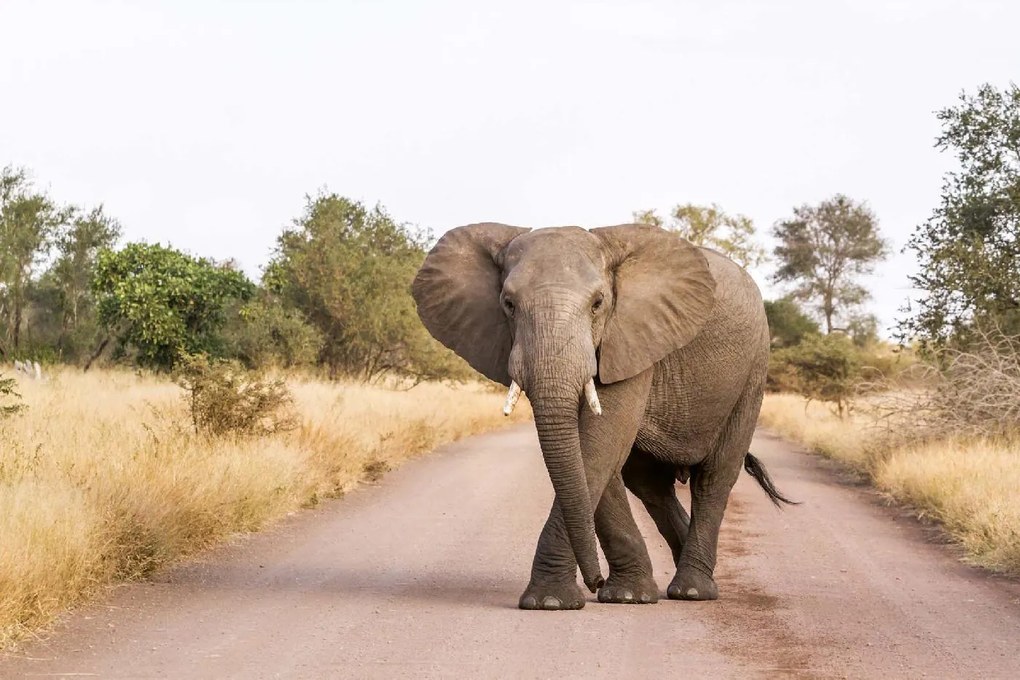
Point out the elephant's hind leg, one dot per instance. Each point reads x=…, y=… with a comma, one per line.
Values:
x=654, y=483
x=630, y=569
x=711, y=482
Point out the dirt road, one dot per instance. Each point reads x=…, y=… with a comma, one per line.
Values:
x=419, y=577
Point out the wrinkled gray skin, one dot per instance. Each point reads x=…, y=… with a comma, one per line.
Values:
x=677, y=339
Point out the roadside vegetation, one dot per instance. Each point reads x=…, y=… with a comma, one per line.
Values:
x=935, y=422
x=154, y=402
x=105, y=477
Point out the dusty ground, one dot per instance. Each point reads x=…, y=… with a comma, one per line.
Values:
x=419, y=577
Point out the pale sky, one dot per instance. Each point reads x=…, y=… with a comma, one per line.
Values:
x=204, y=124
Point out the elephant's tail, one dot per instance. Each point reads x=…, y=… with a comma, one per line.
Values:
x=755, y=468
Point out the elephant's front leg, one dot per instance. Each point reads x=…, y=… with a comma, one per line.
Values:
x=630, y=569
x=606, y=441
x=553, y=582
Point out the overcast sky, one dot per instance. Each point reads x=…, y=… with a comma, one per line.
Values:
x=204, y=124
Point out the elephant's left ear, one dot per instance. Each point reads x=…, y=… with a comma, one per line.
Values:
x=663, y=292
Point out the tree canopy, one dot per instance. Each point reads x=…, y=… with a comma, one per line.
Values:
x=29, y=219
x=163, y=303
x=732, y=235
x=969, y=249
x=822, y=251
x=348, y=269
x=788, y=324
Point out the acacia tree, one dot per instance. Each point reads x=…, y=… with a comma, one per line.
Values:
x=28, y=221
x=709, y=226
x=969, y=249
x=822, y=251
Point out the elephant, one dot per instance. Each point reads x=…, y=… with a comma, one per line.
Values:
x=644, y=359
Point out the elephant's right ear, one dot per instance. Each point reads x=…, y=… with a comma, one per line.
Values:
x=457, y=292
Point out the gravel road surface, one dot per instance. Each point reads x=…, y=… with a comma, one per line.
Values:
x=418, y=576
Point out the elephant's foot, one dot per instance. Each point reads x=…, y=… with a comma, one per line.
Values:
x=552, y=596
x=629, y=590
x=691, y=584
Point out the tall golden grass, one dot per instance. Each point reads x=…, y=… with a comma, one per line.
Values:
x=969, y=484
x=102, y=478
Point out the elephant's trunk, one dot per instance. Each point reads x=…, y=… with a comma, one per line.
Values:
x=556, y=416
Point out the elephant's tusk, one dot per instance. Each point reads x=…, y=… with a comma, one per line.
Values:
x=593, y=397
x=511, y=398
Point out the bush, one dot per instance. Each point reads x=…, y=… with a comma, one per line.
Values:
x=225, y=399
x=822, y=367
x=977, y=392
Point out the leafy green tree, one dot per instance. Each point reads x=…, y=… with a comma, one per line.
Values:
x=164, y=303
x=788, y=324
x=822, y=251
x=348, y=269
x=969, y=249
x=28, y=221
x=709, y=226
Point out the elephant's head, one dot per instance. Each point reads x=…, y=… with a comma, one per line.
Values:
x=551, y=310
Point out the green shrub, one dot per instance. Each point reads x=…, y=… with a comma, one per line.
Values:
x=226, y=399
x=822, y=367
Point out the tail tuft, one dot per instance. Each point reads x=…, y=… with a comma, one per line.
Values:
x=755, y=468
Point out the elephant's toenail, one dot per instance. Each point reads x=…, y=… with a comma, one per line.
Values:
x=627, y=595
x=645, y=598
x=692, y=592
x=529, y=602
x=551, y=602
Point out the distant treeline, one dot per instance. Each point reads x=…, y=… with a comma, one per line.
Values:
x=334, y=295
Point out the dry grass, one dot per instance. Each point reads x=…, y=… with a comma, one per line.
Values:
x=968, y=484
x=103, y=479
x=814, y=425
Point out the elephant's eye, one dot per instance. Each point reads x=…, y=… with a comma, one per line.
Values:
x=596, y=304
x=508, y=305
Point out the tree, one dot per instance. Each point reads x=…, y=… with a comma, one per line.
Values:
x=788, y=324
x=28, y=221
x=709, y=226
x=78, y=246
x=348, y=269
x=969, y=249
x=164, y=303
x=265, y=332
x=863, y=329
x=823, y=249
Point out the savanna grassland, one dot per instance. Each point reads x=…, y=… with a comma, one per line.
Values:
x=103, y=477
x=968, y=483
